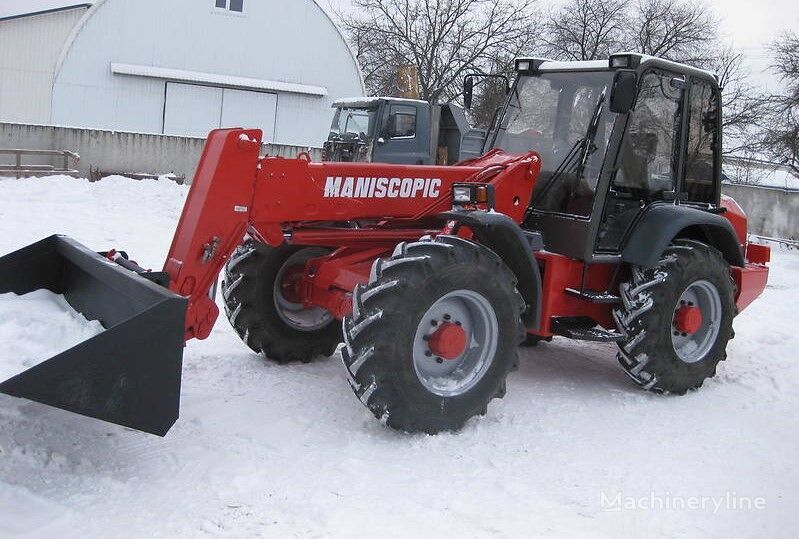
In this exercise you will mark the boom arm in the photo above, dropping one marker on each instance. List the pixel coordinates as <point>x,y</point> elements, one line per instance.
<point>274,199</point>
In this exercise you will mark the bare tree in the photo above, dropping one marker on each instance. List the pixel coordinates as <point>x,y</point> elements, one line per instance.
<point>491,93</point>
<point>443,39</point>
<point>585,29</point>
<point>742,104</point>
<point>673,29</point>
<point>679,30</point>
<point>781,126</point>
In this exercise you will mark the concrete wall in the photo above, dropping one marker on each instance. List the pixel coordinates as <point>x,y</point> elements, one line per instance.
<point>772,212</point>
<point>120,152</point>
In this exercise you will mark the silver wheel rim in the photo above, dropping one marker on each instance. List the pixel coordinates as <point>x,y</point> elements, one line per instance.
<point>475,315</point>
<point>693,347</point>
<point>296,315</point>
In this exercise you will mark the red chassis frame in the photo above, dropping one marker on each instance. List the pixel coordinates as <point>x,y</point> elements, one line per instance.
<point>275,200</point>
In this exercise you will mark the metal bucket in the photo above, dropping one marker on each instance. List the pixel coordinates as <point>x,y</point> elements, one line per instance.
<point>128,374</point>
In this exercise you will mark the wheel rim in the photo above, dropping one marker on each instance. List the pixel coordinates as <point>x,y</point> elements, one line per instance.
<point>696,322</point>
<point>462,313</point>
<point>293,313</point>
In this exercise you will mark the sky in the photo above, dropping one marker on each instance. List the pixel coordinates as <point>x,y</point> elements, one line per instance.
<point>747,28</point>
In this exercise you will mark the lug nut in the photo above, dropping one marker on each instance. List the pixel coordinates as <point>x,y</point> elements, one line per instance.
<point>447,317</point>
<point>439,360</point>
<point>428,353</point>
<point>433,322</point>
<point>457,323</point>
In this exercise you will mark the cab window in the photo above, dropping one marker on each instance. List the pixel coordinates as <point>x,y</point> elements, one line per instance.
<point>648,158</point>
<point>649,153</point>
<point>402,122</point>
<point>703,130</point>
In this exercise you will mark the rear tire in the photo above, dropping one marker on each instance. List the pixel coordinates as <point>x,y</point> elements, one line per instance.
<point>421,288</point>
<point>286,334</point>
<point>656,354</point>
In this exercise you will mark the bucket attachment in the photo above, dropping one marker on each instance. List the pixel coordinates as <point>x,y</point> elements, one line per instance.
<point>128,374</point>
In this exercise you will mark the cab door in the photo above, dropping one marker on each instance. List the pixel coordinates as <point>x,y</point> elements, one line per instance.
<point>649,159</point>
<point>564,200</point>
<point>405,136</point>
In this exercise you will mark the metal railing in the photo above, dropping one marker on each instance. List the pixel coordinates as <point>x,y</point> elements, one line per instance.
<point>792,244</point>
<point>18,169</point>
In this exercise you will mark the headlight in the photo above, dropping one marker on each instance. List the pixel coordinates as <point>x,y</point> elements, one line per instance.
<point>461,195</point>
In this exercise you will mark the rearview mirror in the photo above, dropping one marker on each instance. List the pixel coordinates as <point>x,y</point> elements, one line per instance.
<point>468,91</point>
<point>625,89</point>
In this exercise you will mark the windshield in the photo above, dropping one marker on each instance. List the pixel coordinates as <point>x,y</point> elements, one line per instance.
<point>354,120</point>
<point>565,118</point>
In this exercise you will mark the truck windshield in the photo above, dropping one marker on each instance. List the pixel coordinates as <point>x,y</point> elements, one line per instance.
<point>358,121</point>
<point>565,117</point>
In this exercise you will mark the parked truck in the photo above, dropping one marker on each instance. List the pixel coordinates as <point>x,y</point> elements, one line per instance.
<point>402,131</point>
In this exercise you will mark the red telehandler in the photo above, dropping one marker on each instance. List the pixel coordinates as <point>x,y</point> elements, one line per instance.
<point>596,214</point>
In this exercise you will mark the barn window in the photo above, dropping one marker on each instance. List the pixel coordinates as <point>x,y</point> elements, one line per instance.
<point>231,5</point>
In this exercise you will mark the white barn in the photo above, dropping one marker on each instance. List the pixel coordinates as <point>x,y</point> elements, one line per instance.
<point>177,67</point>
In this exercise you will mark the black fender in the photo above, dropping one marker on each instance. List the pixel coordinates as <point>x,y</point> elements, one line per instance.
<point>515,247</point>
<point>660,224</point>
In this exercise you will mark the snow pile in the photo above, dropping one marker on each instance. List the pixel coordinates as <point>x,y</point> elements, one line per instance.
<point>288,451</point>
<point>36,327</point>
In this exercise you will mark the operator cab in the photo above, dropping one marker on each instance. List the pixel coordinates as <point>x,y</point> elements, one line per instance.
<point>615,137</point>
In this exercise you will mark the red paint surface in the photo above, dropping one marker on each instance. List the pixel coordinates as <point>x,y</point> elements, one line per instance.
<point>448,341</point>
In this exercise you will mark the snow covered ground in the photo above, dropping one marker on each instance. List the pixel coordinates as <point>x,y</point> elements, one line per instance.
<point>21,321</point>
<point>573,450</point>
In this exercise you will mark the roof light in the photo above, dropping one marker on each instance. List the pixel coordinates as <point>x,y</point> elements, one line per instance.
<point>620,62</point>
<point>523,65</point>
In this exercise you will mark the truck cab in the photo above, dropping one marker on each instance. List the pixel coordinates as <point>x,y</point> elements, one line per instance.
<point>400,131</point>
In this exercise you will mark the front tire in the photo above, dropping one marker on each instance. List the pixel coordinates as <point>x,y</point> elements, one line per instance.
<point>258,303</point>
<point>433,334</point>
<point>677,318</point>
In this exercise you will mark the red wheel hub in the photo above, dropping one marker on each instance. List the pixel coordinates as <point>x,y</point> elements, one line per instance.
<point>688,319</point>
<point>448,341</point>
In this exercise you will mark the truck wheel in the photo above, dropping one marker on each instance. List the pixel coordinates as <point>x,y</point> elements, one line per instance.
<point>677,318</point>
<point>259,301</point>
<point>433,334</point>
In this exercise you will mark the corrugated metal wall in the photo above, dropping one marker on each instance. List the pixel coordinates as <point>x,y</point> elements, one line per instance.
<point>290,41</point>
<point>29,51</point>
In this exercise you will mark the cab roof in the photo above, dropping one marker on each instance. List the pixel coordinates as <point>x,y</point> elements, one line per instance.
<point>364,102</point>
<point>634,61</point>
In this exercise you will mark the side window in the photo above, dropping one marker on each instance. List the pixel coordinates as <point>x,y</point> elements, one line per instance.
<point>402,121</point>
<point>649,152</point>
<point>700,172</point>
<point>231,5</point>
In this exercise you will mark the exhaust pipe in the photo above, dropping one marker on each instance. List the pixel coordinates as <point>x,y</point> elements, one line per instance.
<point>128,374</point>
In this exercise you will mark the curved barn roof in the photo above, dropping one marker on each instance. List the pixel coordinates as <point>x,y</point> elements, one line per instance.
<point>94,5</point>
<point>12,9</point>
